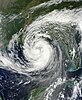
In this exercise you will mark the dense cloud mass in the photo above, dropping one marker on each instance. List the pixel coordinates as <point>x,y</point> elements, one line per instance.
<point>41,50</point>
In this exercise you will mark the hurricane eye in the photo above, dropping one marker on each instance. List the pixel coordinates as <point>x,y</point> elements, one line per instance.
<point>40,49</point>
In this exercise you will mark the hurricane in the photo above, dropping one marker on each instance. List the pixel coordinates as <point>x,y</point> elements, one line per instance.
<point>41,50</point>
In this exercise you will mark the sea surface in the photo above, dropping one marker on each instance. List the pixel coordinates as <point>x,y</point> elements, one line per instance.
<point>40,50</point>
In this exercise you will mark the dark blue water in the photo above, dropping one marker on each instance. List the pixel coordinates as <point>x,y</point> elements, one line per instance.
<point>13,86</point>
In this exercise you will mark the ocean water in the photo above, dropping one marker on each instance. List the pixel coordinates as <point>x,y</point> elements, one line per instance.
<point>41,50</point>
